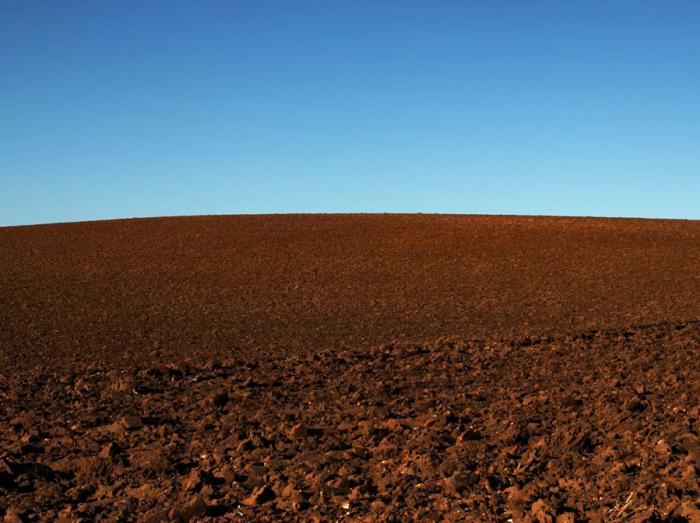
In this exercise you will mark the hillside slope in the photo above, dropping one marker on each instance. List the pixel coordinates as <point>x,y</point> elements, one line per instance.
<point>117,290</point>
<point>360,368</point>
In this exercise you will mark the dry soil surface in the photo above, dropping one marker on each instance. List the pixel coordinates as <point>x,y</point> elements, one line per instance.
<point>372,368</point>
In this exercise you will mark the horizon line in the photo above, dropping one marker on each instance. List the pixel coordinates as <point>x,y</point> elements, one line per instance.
<point>363,213</point>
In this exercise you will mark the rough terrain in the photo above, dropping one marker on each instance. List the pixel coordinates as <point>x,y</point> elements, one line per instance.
<point>376,368</point>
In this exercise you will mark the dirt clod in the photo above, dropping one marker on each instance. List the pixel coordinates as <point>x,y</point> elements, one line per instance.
<point>259,496</point>
<point>131,422</point>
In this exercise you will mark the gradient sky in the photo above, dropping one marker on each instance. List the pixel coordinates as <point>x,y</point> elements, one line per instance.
<point>145,108</point>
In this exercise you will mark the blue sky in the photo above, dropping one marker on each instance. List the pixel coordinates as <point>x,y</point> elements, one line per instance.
<point>121,109</point>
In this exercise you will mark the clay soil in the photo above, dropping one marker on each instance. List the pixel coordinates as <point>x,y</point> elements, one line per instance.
<point>359,368</point>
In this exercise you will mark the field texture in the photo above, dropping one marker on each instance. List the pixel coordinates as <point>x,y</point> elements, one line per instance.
<point>372,368</point>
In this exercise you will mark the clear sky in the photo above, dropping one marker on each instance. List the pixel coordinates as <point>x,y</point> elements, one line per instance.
<point>146,108</point>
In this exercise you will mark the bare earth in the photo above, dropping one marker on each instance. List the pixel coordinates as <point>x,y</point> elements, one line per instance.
<point>367,367</point>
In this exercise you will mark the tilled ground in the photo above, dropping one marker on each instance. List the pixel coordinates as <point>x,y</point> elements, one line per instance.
<point>602,426</point>
<point>260,368</point>
<point>125,291</point>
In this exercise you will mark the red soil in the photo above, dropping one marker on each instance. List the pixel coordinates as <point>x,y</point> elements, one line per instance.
<point>362,367</point>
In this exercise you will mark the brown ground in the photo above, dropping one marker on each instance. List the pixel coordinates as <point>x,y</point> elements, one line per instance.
<point>351,367</point>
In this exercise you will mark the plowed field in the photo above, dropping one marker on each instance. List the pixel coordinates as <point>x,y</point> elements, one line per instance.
<point>339,367</point>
